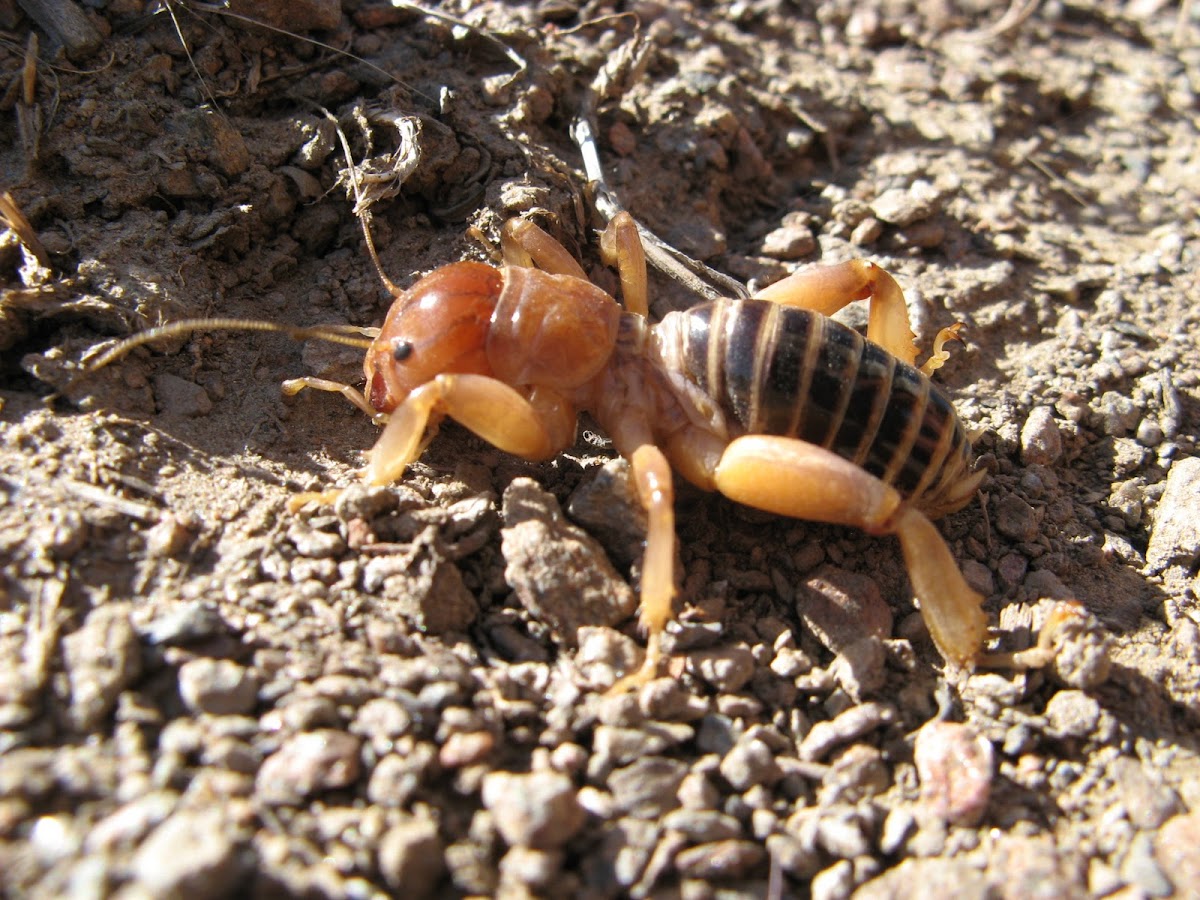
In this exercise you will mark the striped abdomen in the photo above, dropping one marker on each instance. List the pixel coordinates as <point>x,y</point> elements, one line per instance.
<point>780,370</point>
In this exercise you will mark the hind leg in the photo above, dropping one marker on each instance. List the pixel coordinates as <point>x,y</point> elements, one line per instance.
<point>794,478</point>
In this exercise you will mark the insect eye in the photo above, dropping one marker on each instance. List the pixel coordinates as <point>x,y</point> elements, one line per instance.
<point>401,349</point>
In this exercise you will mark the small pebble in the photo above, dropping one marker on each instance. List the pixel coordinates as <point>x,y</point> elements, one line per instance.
<point>897,826</point>
<point>791,241</point>
<point>727,669</point>
<point>856,773</point>
<point>833,883</point>
<point>696,791</point>
<point>842,607</point>
<point>1033,866</point>
<point>466,748</point>
<point>1177,849</point>
<point>1175,535</point>
<point>411,857</point>
<point>917,879</point>
<point>618,746</point>
<point>1118,414</point>
<point>703,826</point>
<point>538,810</point>
<point>866,232</point>
<point>194,853</point>
<point>842,833</point>
<point>604,655</point>
<point>1149,433</point>
<point>179,397</point>
<point>646,788</point>
<point>1016,519</point>
<point>1073,714</point>
<point>850,725</point>
<point>720,859</point>
<point>524,869</point>
<point>1011,569</point>
<point>1041,441</point>
<point>860,667</point>
<point>1140,868</point>
<point>558,571</point>
<point>309,763</point>
<point>219,687</point>
<point>1149,802</point>
<point>397,777</point>
<point>955,766</point>
<point>131,822</point>
<point>749,762</point>
<point>102,658</point>
<point>794,856</point>
<point>185,623</point>
<point>428,590</point>
<point>171,535</point>
<point>382,720</point>
<point>899,206</point>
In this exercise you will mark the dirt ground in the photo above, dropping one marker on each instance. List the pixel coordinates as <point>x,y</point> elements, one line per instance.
<point>203,693</point>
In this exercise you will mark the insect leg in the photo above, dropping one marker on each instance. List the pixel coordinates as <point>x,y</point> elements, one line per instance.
<point>524,244</point>
<point>534,427</point>
<point>794,478</point>
<point>826,289</point>
<point>621,246</point>
<point>939,356</point>
<point>295,385</point>
<point>652,476</point>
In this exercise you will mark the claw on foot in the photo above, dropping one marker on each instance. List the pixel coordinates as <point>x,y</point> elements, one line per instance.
<point>647,672</point>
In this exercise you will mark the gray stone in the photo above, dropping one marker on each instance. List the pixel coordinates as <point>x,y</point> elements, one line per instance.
<point>538,810</point>
<point>750,762</point>
<point>219,687</point>
<point>411,857</point>
<point>846,727</point>
<point>1041,440</point>
<point>1118,414</point>
<point>1073,714</point>
<point>194,853</point>
<point>558,571</point>
<point>898,206</point>
<point>1016,519</point>
<point>1175,536</point>
<point>720,859</point>
<point>842,607</point>
<point>646,789</point>
<point>727,669</point>
<point>102,658</point>
<point>307,764</point>
<point>179,397</point>
<point>860,667</point>
<point>703,826</point>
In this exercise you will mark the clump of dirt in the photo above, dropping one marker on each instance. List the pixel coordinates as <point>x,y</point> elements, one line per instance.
<point>397,694</point>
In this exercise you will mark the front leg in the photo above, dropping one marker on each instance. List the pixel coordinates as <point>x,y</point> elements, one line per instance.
<point>534,426</point>
<point>794,478</point>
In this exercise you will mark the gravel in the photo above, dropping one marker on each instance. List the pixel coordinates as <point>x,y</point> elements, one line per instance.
<point>403,691</point>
